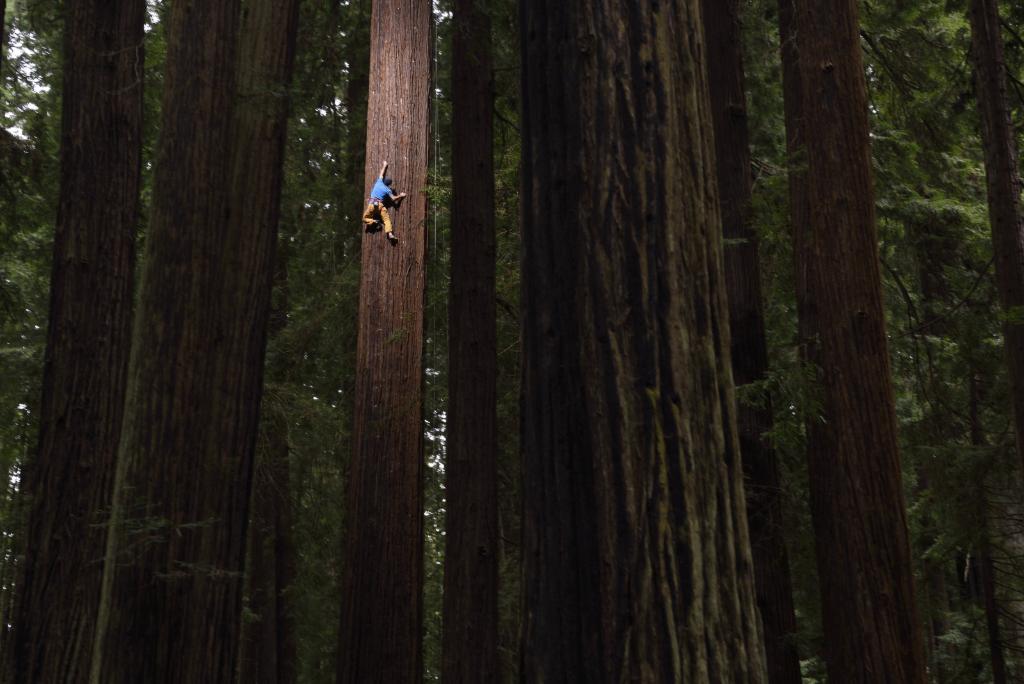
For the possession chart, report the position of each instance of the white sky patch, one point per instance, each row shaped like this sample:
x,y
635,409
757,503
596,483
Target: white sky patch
x,y
21,54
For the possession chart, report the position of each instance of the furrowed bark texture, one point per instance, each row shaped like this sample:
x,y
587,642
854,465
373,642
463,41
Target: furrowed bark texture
x,y
195,379
379,639
637,556
1002,176
818,438
749,351
470,620
869,615
70,482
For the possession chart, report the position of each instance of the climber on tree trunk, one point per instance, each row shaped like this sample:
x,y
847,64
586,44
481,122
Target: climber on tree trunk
x,y
381,198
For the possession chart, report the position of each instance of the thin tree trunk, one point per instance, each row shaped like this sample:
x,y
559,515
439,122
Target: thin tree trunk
x,y
986,571
749,351
69,483
937,247
470,618
818,443
174,563
3,38
381,617
284,568
864,565
268,644
258,635
988,583
637,555
1004,189
268,649
818,439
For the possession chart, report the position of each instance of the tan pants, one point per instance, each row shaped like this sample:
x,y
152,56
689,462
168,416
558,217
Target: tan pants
x,y
376,211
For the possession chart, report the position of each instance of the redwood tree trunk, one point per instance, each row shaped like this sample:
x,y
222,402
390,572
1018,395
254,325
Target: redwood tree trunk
x,y
818,439
637,556
379,639
864,566
1004,188
470,619
70,481
174,563
749,351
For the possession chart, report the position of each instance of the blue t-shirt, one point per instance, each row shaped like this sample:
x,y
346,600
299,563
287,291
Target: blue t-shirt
x,y
380,191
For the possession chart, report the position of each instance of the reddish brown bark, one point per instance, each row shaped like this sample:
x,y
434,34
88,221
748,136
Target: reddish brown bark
x,y
383,577
174,564
637,559
470,619
70,481
1002,177
863,551
749,352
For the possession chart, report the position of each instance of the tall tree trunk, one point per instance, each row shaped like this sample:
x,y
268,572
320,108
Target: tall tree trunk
x,y
818,445
863,551
988,583
986,571
749,351
173,582
637,555
470,618
937,247
379,639
3,37
1004,188
268,648
268,642
70,482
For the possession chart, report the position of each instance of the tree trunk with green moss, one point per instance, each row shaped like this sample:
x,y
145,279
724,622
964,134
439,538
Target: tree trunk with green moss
x,y
637,555
749,351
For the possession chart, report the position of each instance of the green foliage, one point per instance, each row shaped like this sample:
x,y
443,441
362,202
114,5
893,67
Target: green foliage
x,y
943,318
29,137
